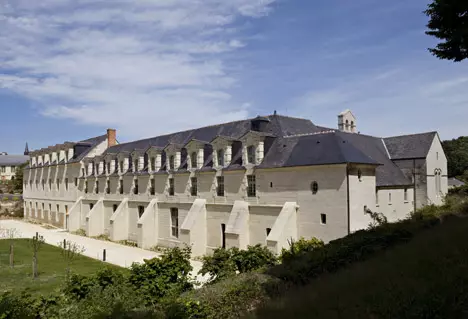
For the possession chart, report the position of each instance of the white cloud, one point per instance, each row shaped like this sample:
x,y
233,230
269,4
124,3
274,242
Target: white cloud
x,y
394,101
145,67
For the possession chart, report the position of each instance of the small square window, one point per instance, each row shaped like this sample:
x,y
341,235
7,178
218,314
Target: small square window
x,y
323,219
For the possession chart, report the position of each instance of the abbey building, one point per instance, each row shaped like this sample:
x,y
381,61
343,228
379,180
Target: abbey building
x,y
257,181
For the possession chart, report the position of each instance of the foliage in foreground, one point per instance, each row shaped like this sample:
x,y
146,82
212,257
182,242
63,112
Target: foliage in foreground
x,y
449,23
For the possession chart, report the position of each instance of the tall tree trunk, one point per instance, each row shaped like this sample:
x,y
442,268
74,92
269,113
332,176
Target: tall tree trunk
x,y
12,262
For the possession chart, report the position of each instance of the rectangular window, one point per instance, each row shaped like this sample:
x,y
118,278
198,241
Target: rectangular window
x,y
223,235
193,160
135,166
66,209
323,219
153,164
171,187
43,184
220,155
86,187
175,222
153,187
66,184
251,186
108,187
389,198
194,186
76,182
121,165
268,231
377,198
97,187
220,187
82,172
91,206
3,169
58,210
135,187
406,195
114,207
58,184
50,184
171,162
141,211
121,187
108,168
251,154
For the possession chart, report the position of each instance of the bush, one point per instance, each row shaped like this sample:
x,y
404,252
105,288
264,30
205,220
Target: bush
x,y
300,247
13,307
341,252
79,232
230,298
161,277
227,262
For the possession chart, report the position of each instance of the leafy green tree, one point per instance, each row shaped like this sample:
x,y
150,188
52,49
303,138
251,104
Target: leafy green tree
x,y
456,151
449,22
161,277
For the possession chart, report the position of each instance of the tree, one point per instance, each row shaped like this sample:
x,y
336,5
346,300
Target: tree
x,y
456,151
36,244
70,251
17,183
449,22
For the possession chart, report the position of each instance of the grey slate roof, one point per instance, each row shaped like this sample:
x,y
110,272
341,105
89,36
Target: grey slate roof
x,y
278,126
13,160
409,146
454,182
91,143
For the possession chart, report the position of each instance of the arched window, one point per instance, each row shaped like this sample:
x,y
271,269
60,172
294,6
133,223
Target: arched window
x,y
314,187
193,160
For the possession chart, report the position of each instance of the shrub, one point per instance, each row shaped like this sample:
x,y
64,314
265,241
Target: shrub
x,y
230,298
353,248
253,258
300,247
227,262
79,232
13,307
161,277
219,266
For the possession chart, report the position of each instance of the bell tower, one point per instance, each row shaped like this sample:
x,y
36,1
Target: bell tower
x,y
347,122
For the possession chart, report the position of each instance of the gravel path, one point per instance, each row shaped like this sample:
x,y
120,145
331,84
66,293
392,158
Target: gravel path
x,y
116,254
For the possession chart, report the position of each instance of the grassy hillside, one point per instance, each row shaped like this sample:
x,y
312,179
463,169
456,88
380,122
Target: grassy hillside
x,y
50,263
425,278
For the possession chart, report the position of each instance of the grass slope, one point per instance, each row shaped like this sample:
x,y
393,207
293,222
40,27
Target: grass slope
x,y
50,263
426,278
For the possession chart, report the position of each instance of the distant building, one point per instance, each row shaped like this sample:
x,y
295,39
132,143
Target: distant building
x,y
453,182
10,163
264,180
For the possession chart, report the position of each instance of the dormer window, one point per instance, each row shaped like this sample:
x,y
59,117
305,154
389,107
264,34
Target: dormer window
x,y
108,167
193,160
135,165
153,164
121,165
251,154
220,156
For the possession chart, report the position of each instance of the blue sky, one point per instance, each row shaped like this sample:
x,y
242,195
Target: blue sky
x,y
69,69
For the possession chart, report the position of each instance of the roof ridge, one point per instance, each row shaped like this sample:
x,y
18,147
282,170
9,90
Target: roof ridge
x,y
308,134
414,134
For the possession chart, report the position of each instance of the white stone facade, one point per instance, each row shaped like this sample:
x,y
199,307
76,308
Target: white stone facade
x,y
217,208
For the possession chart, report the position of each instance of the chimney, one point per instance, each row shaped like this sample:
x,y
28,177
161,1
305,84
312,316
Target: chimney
x,y
111,137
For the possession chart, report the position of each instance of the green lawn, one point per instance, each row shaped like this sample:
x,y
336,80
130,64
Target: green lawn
x,y
426,278
51,267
